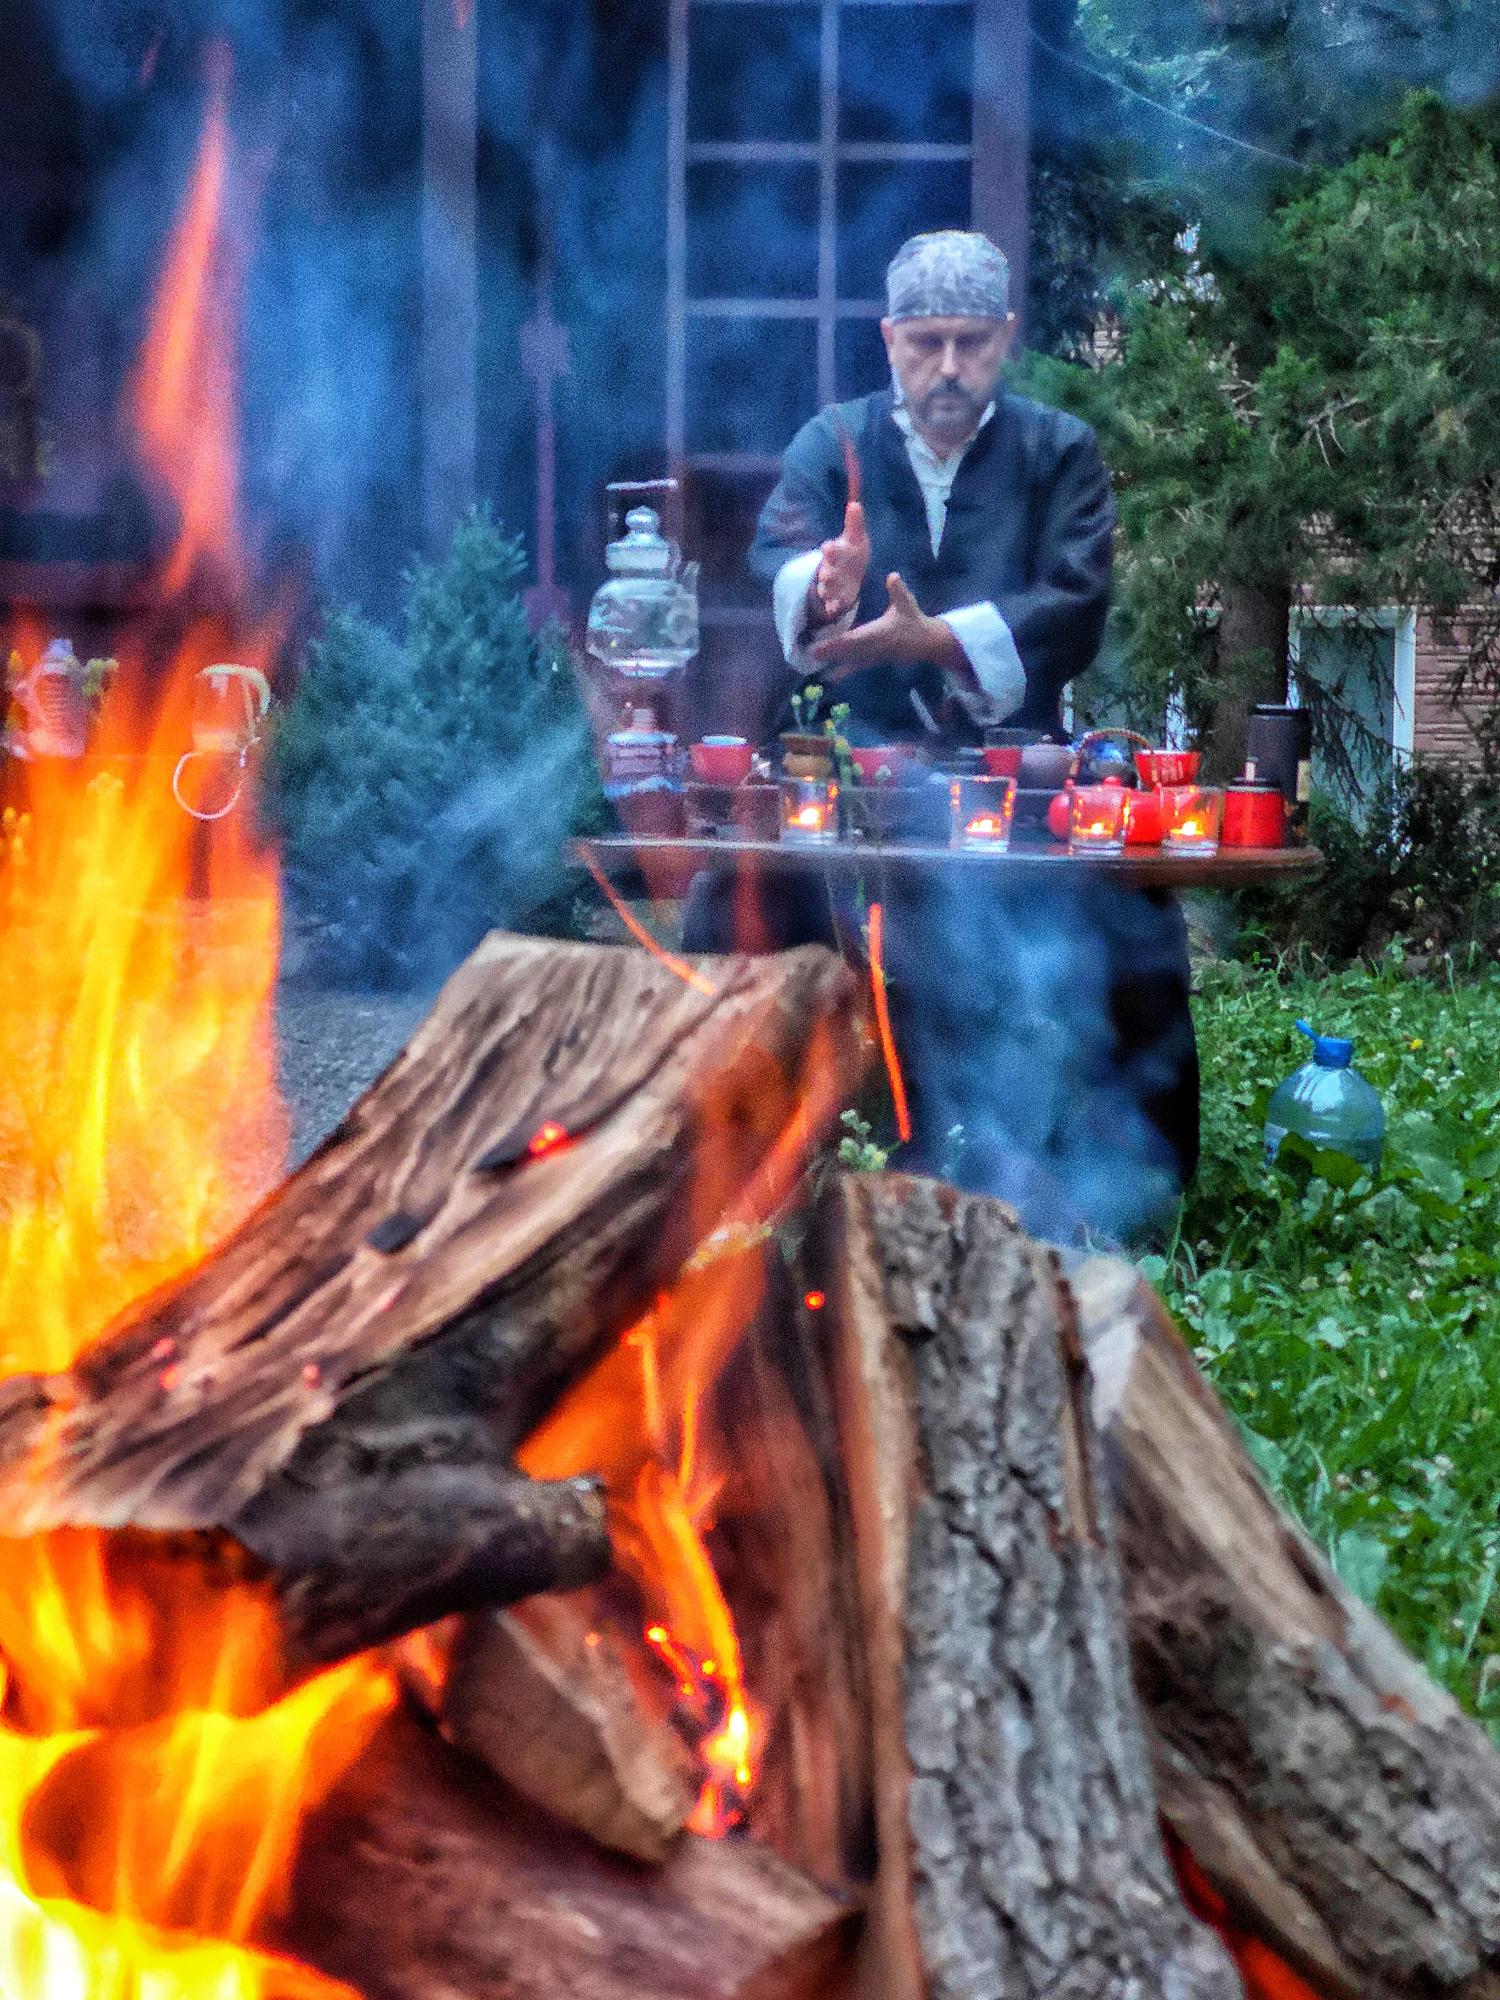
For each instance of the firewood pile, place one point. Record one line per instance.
(1024, 1643)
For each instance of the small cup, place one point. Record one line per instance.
(878, 764)
(1168, 767)
(1190, 819)
(809, 810)
(721, 760)
(980, 811)
(1096, 820)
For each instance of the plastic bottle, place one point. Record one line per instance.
(1329, 1104)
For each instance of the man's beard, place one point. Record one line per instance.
(950, 408)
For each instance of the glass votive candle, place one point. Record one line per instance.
(1096, 820)
(1190, 819)
(980, 811)
(809, 809)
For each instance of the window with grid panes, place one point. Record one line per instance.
(808, 138)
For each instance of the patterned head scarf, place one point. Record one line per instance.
(948, 274)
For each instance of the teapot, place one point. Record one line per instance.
(643, 623)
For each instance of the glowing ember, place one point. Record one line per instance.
(815, 1301)
(1265, 1976)
(547, 1139)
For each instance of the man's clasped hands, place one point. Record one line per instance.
(902, 633)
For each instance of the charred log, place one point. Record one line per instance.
(542, 1697)
(480, 1895)
(340, 1389)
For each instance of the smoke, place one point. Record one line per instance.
(488, 857)
(1045, 1033)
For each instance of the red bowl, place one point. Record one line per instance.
(723, 760)
(1168, 767)
(1003, 760)
(871, 759)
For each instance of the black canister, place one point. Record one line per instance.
(1278, 749)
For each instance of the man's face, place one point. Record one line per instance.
(947, 369)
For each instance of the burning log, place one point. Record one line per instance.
(1018, 1839)
(544, 1700)
(1344, 1808)
(342, 1387)
(478, 1895)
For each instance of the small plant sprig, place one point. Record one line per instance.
(859, 1149)
(805, 705)
(833, 729)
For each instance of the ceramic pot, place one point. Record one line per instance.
(806, 754)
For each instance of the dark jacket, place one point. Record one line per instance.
(1029, 528)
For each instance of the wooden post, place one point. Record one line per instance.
(450, 311)
(1002, 134)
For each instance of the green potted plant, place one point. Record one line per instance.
(807, 749)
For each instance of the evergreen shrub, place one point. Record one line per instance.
(1421, 870)
(425, 779)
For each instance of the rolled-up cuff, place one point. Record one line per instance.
(789, 608)
(991, 652)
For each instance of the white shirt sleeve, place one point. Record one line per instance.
(991, 652)
(789, 608)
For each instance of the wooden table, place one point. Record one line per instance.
(669, 865)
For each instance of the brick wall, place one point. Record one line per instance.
(1439, 729)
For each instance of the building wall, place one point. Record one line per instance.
(1440, 728)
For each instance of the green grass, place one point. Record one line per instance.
(1355, 1330)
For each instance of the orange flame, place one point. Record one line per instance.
(183, 399)
(1265, 1976)
(881, 1003)
(678, 967)
(643, 1421)
(636, 1421)
(152, 1773)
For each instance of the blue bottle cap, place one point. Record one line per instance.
(1329, 1051)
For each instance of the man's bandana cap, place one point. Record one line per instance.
(948, 274)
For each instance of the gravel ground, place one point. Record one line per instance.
(330, 1046)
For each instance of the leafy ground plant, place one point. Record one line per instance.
(1353, 1325)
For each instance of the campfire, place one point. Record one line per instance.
(568, 1542)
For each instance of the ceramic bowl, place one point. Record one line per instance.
(721, 760)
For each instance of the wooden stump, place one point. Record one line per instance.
(1019, 1849)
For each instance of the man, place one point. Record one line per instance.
(1045, 1029)
(977, 562)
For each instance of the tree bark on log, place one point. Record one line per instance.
(341, 1387)
(1020, 1854)
(476, 1895)
(1342, 1805)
